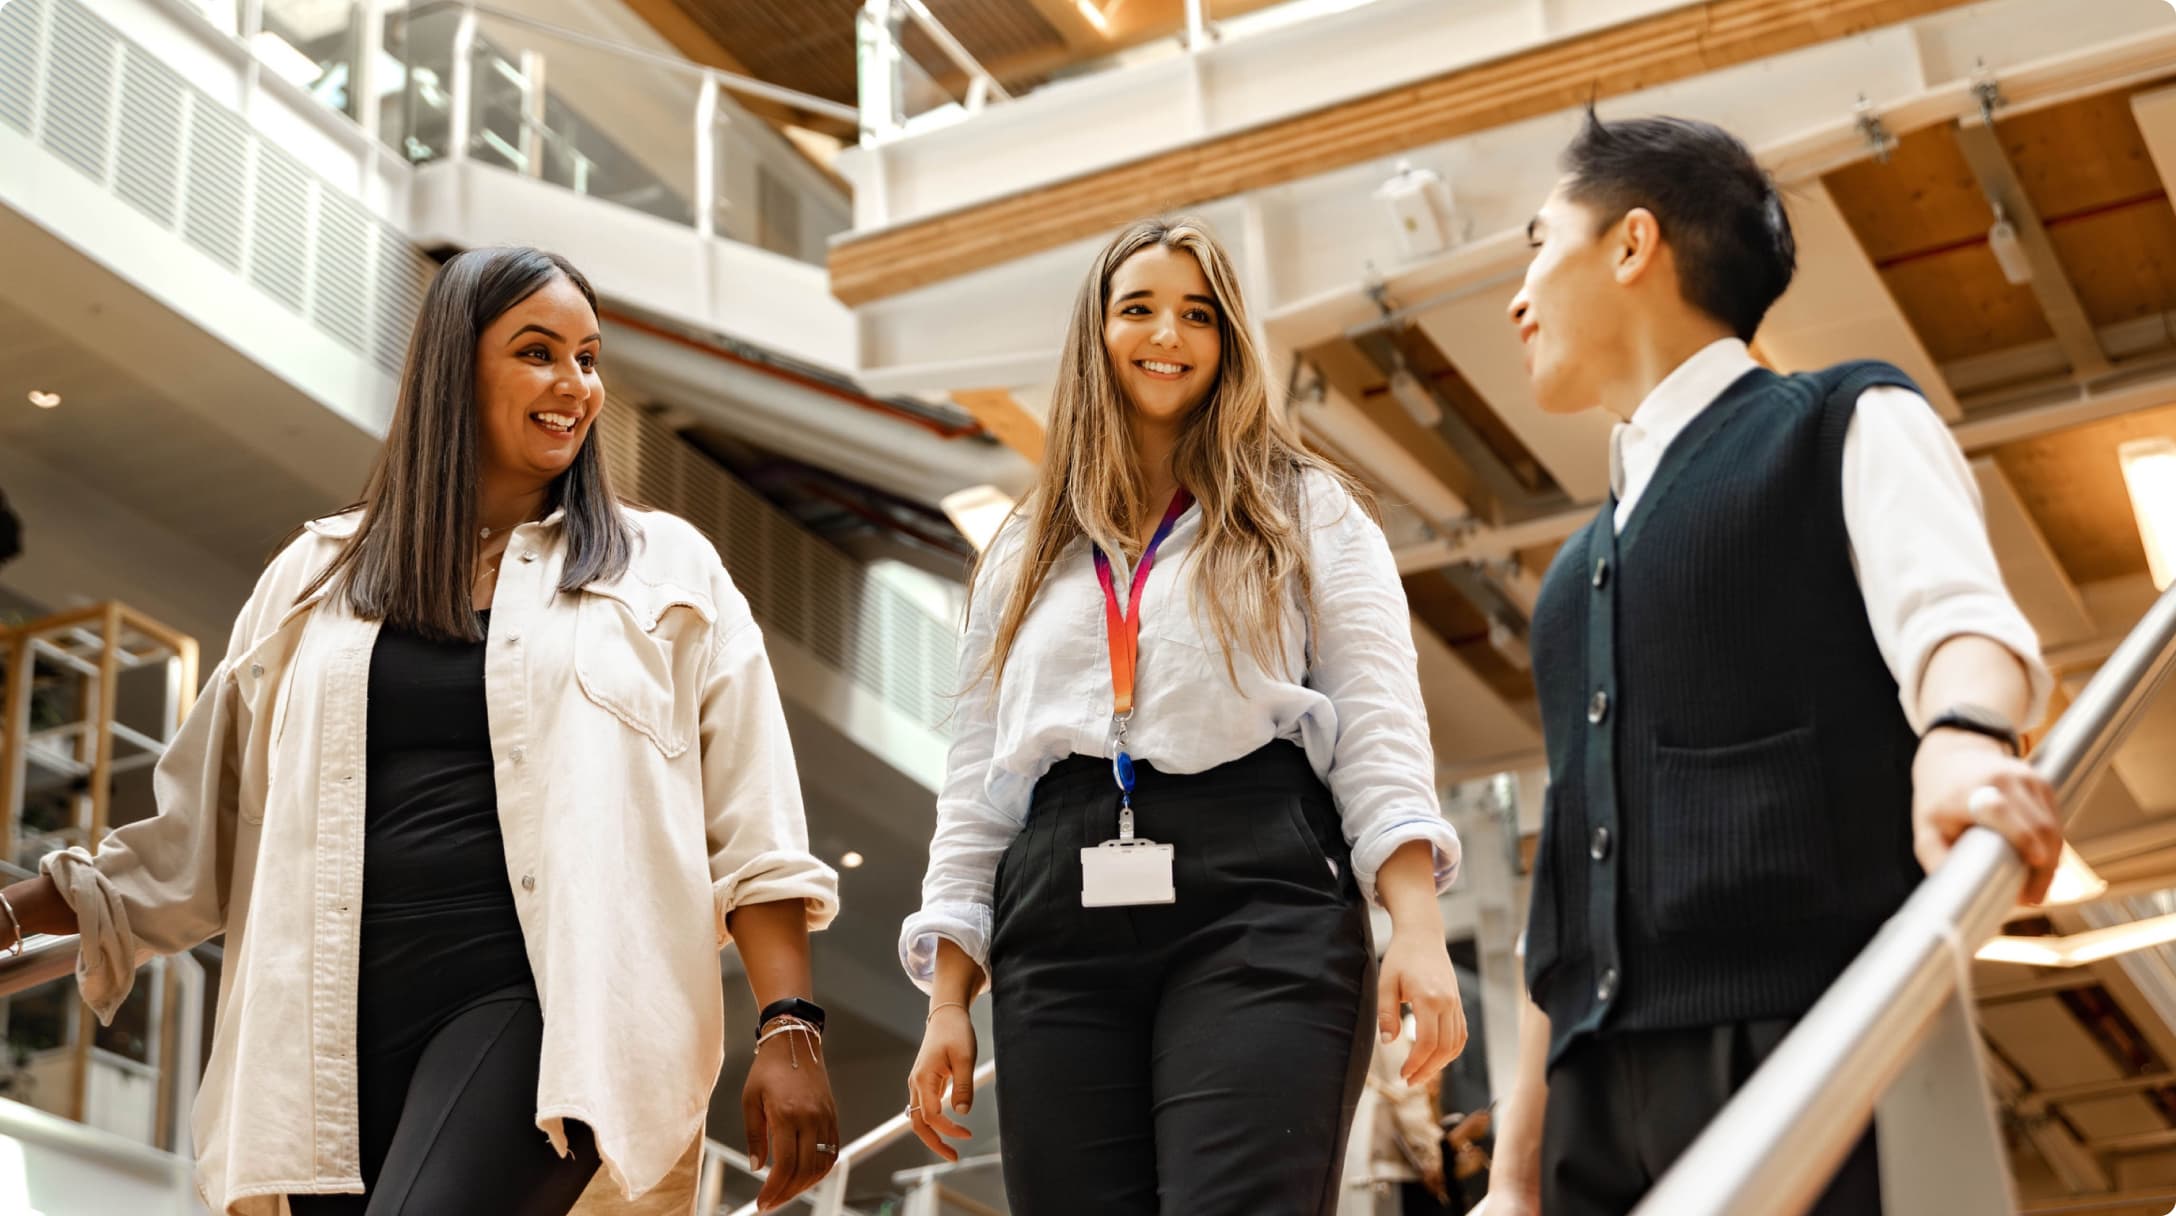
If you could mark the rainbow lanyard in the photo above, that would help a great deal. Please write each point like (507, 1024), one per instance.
(1124, 631)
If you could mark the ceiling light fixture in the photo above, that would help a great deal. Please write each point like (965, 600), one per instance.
(852, 860)
(44, 400)
(1414, 397)
(2078, 949)
(2075, 882)
(2149, 469)
(2009, 250)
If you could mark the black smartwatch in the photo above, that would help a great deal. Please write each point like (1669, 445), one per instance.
(792, 1007)
(1979, 721)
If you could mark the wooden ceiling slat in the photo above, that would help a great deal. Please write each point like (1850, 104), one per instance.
(809, 44)
(1924, 198)
(2079, 155)
(1641, 54)
(2074, 488)
(2123, 263)
(1960, 305)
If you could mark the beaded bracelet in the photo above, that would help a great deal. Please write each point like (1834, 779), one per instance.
(790, 1025)
(15, 921)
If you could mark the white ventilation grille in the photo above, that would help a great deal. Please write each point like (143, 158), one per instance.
(219, 147)
(79, 90)
(19, 38)
(111, 111)
(280, 233)
(146, 173)
(340, 285)
(797, 586)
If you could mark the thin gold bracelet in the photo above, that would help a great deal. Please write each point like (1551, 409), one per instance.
(941, 1008)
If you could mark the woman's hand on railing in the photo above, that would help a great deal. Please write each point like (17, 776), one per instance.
(38, 908)
(1950, 772)
(947, 1059)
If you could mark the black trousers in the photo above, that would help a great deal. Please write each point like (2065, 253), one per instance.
(1199, 1058)
(450, 1126)
(1623, 1107)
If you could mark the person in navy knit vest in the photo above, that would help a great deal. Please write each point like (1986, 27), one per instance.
(1779, 673)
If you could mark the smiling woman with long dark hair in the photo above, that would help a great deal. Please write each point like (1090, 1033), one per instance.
(492, 768)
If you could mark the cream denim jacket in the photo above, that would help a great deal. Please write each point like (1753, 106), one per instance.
(646, 789)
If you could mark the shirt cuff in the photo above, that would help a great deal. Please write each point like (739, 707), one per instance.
(964, 925)
(1990, 617)
(774, 877)
(106, 950)
(1375, 847)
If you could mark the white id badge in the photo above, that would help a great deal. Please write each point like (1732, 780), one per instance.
(1117, 873)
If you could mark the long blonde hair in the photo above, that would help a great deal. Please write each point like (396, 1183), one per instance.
(1244, 461)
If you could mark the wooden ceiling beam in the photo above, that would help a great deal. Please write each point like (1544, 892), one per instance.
(2051, 284)
(1001, 414)
(1641, 54)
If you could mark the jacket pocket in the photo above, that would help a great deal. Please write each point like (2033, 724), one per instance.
(639, 654)
(1742, 837)
(265, 679)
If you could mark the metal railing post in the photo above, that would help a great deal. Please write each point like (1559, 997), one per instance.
(831, 1193)
(1197, 26)
(882, 84)
(533, 109)
(461, 103)
(706, 157)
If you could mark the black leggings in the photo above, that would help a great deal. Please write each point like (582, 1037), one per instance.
(1200, 1058)
(450, 1126)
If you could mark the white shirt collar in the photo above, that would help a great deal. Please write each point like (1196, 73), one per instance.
(1636, 446)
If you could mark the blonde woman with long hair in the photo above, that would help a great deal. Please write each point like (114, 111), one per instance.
(1190, 751)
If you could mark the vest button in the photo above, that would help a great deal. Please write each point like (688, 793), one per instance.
(1606, 987)
(1598, 706)
(1598, 844)
(1601, 572)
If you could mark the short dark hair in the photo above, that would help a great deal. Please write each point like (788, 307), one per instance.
(410, 560)
(1717, 208)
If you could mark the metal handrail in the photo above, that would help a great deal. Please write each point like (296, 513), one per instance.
(831, 1193)
(44, 958)
(732, 81)
(959, 55)
(1774, 1147)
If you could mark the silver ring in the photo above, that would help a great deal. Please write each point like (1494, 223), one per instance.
(827, 1149)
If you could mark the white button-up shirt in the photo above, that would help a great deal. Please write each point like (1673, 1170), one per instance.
(1355, 707)
(1911, 510)
(646, 788)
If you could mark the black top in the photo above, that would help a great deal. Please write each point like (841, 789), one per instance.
(1729, 811)
(438, 908)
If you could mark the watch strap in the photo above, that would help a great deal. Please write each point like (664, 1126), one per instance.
(791, 1007)
(1978, 722)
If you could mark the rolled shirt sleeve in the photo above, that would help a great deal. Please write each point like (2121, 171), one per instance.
(1919, 540)
(160, 885)
(972, 833)
(1382, 771)
(757, 826)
